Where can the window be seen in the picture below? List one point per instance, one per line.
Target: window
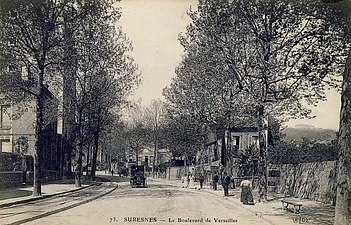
(5, 145)
(5, 119)
(254, 140)
(236, 142)
(146, 161)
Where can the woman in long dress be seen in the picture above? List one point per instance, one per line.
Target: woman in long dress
(191, 181)
(246, 193)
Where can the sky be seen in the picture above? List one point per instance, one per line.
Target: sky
(153, 27)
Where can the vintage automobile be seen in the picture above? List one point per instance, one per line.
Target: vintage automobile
(137, 176)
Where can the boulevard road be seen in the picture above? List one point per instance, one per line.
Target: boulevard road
(159, 203)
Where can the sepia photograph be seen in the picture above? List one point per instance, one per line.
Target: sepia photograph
(175, 112)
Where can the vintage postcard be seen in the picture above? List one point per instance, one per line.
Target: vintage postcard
(174, 112)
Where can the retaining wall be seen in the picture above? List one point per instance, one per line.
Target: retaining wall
(315, 181)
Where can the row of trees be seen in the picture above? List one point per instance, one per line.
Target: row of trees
(254, 59)
(278, 55)
(153, 127)
(74, 49)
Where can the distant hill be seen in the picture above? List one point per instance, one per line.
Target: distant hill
(310, 133)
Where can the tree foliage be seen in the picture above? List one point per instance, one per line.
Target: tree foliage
(184, 135)
(46, 42)
(269, 57)
(302, 151)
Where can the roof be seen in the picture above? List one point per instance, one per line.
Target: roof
(243, 129)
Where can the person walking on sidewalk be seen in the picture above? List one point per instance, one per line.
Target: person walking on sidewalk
(226, 183)
(246, 193)
(188, 180)
(201, 180)
(215, 181)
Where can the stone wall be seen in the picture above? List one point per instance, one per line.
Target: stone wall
(315, 181)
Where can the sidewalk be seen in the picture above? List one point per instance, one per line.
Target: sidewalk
(20, 195)
(272, 211)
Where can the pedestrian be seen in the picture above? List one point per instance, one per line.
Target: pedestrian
(246, 192)
(215, 181)
(191, 181)
(188, 180)
(183, 181)
(225, 183)
(112, 172)
(201, 180)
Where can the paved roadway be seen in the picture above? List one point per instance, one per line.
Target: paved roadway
(159, 203)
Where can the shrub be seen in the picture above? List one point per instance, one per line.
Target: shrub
(12, 161)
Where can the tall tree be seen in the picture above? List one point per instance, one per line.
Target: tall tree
(114, 142)
(184, 135)
(137, 131)
(105, 74)
(343, 195)
(32, 30)
(49, 38)
(155, 117)
(278, 52)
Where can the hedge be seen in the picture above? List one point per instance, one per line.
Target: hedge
(15, 162)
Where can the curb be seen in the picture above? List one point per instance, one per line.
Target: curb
(36, 198)
(64, 208)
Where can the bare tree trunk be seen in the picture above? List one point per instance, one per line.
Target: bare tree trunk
(79, 155)
(185, 170)
(69, 93)
(262, 167)
(224, 152)
(155, 162)
(78, 172)
(343, 195)
(109, 166)
(88, 161)
(94, 155)
(137, 154)
(38, 154)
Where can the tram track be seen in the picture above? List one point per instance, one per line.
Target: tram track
(25, 212)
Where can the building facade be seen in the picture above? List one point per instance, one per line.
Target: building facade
(17, 131)
(220, 155)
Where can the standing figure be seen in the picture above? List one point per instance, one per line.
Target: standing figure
(225, 183)
(188, 180)
(184, 178)
(201, 180)
(215, 181)
(112, 172)
(191, 181)
(246, 192)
